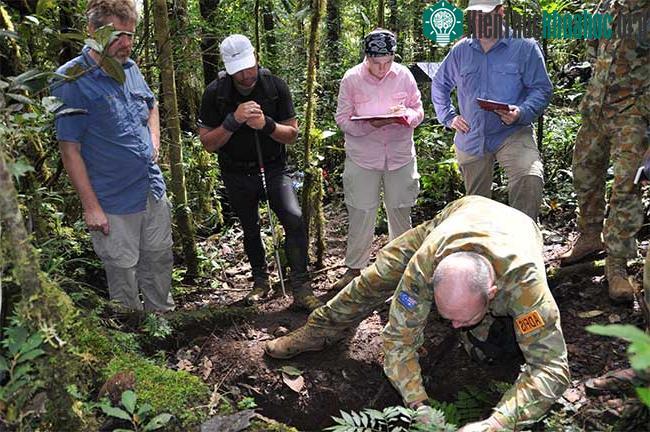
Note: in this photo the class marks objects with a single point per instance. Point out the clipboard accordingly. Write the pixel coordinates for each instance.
(401, 118)
(491, 105)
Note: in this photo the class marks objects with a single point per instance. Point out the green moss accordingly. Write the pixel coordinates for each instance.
(258, 426)
(174, 392)
(208, 317)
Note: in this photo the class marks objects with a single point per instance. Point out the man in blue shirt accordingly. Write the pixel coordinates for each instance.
(109, 137)
(504, 69)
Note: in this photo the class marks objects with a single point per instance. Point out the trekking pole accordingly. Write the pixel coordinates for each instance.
(258, 148)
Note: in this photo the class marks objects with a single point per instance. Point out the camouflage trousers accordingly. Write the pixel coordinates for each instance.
(373, 287)
(623, 139)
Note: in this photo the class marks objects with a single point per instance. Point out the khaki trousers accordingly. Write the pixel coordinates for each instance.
(362, 189)
(520, 158)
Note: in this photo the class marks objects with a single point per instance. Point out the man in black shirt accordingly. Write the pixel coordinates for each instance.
(243, 101)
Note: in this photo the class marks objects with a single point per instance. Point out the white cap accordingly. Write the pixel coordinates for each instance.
(485, 6)
(237, 53)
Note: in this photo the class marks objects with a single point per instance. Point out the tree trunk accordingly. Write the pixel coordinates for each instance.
(9, 50)
(392, 22)
(381, 14)
(209, 43)
(270, 48)
(25, 260)
(256, 11)
(334, 31)
(67, 24)
(170, 115)
(146, 26)
(189, 86)
(311, 206)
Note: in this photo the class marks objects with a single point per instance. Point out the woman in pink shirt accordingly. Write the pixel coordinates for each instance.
(379, 106)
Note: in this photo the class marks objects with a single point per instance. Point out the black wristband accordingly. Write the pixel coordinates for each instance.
(230, 124)
(269, 126)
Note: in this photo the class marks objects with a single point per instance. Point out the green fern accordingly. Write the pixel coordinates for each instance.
(391, 419)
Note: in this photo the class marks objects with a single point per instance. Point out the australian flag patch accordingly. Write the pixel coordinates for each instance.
(406, 300)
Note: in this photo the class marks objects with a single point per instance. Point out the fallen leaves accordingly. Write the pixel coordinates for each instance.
(292, 377)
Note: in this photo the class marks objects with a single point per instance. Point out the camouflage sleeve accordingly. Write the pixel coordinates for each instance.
(545, 375)
(404, 333)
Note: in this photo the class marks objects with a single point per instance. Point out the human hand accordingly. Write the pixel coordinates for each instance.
(424, 414)
(488, 425)
(257, 122)
(96, 220)
(247, 110)
(510, 116)
(460, 124)
(397, 109)
(155, 152)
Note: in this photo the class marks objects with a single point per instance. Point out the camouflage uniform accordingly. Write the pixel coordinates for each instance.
(480, 225)
(614, 120)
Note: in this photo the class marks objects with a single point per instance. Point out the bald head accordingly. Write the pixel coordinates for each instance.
(463, 284)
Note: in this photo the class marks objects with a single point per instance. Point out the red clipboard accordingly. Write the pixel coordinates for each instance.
(491, 105)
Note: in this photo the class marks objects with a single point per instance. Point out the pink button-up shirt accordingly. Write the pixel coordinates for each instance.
(388, 147)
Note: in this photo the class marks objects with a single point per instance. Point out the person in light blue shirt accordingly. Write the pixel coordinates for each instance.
(109, 137)
(505, 69)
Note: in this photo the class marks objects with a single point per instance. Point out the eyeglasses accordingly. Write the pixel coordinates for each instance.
(119, 34)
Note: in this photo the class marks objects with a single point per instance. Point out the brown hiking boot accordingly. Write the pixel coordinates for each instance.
(585, 244)
(306, 338)
(347, 277)
(304, 298)
(260, 290)
(621, 288)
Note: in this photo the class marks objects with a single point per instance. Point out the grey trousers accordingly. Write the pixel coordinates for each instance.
(137, 256)
(520, 158)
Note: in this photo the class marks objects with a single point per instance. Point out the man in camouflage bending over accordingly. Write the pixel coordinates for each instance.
(481, 262)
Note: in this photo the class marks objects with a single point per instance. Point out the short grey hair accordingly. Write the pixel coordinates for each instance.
(98, 11)
(477, 281)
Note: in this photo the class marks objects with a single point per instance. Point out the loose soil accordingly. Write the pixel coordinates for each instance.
(349, 376)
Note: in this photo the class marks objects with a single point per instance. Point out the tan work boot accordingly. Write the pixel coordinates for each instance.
(347, 277)
(304, 339)
(621, 288)
(260, 290)
(586, 244)
(304, 298)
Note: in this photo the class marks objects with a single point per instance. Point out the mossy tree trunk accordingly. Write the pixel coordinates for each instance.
(311, 204)
(9, 49)
(171, 120)
(25, 259)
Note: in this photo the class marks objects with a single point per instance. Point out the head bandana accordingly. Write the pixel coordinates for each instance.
(380, 43)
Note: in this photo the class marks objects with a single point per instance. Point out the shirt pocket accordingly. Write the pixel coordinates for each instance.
(104, 112)
(399, 98)
(362, 104)
(506, 83)
(140, 106)
(469, 78)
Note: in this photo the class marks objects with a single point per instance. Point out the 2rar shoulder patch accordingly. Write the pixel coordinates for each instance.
(530, 322)
(406, 300)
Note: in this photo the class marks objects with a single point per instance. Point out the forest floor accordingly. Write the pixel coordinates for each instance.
(349, 376)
